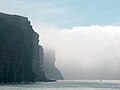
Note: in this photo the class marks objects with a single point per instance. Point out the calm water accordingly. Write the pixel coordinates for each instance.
(66, 85)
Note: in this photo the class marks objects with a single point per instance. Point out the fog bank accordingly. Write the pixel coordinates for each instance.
(84, 52)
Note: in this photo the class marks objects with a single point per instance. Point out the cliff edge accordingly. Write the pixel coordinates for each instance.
(19, 51)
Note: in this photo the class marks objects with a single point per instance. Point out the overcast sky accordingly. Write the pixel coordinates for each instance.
(84, 33)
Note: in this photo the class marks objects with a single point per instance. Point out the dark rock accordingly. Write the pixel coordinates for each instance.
(51, 72)
(19, 51)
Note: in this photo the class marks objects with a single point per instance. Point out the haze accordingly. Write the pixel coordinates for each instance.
(85, 52)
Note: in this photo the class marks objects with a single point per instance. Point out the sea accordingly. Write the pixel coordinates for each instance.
(65, 85)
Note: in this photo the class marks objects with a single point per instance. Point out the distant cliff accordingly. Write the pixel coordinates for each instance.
(20, 54)
(51, 72)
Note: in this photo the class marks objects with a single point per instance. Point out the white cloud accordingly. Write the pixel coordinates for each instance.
(84, 51)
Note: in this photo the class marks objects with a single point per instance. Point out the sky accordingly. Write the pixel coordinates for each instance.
(84, 33)
(66, 13)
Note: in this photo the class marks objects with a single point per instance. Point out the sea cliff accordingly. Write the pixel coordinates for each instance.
(20, 59)
(51, 71)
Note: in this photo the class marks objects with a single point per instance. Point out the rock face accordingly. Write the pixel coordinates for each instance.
(19, 51)
(51, 72)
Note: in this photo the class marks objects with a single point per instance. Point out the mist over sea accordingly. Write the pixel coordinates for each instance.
(66, 85)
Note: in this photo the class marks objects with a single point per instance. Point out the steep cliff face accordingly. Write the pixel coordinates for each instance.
(19, 50)
(51, 72)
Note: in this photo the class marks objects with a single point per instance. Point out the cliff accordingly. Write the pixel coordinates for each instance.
(51, 72)
(20, 59)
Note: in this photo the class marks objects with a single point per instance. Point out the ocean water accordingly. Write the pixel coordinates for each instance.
(66, 85)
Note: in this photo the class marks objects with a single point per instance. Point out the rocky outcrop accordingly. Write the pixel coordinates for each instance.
(51, 72)
(20, 58)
